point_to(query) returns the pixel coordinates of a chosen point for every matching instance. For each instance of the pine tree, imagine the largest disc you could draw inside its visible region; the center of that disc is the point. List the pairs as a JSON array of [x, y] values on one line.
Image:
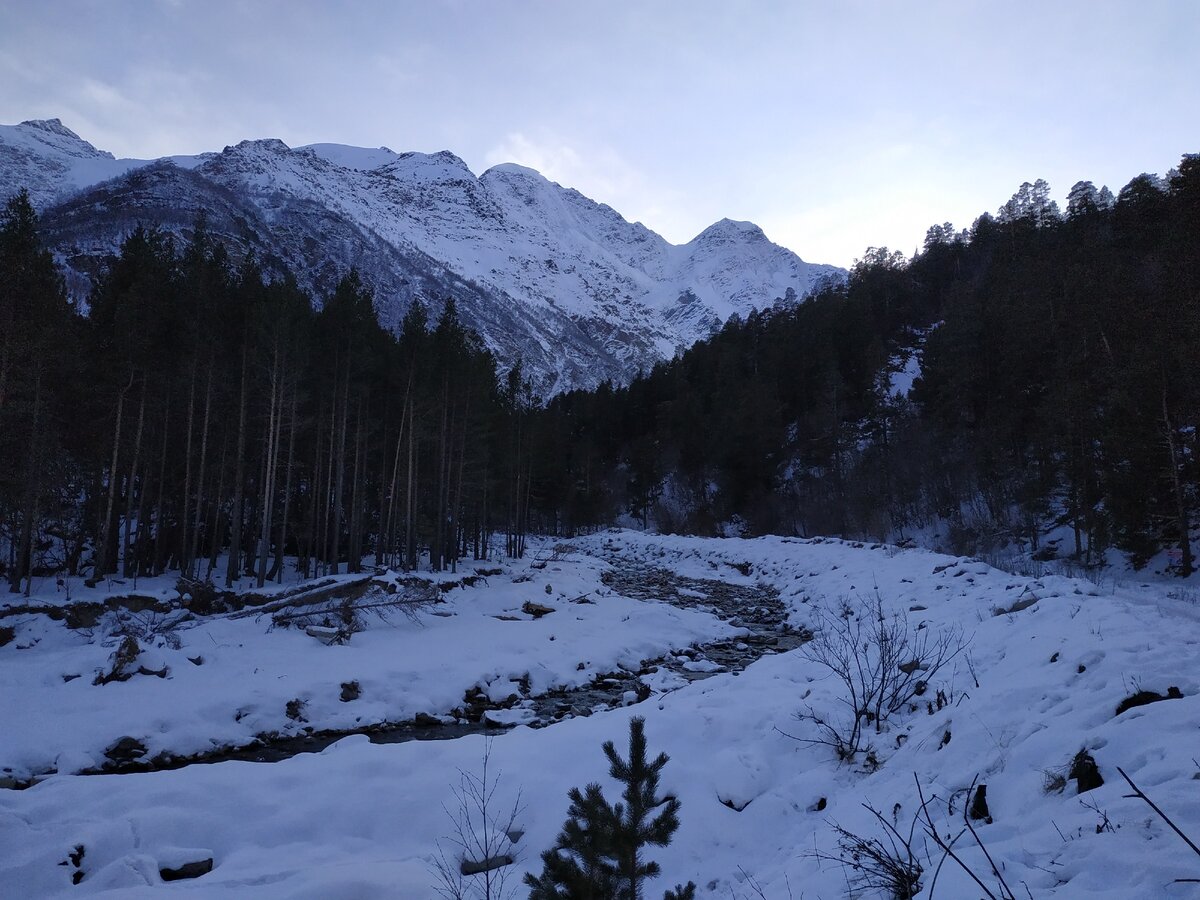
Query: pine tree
[[598, 855], [36, 325], [633, 825], [583, 871]]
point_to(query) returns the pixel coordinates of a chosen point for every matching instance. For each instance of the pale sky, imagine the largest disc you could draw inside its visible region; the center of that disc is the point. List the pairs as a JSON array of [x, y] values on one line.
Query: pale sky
[[835, 125]]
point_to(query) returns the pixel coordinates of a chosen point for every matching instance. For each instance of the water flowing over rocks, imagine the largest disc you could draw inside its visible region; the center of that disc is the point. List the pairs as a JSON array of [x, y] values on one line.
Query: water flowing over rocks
[[755, 609]]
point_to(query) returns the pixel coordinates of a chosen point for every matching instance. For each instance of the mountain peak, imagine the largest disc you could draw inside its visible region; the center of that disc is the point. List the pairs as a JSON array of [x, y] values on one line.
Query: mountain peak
[[434, 167], [450, 159], [514, 169], [362, 159], [731, 229], [54, 133], [267, 145], [53, 126]]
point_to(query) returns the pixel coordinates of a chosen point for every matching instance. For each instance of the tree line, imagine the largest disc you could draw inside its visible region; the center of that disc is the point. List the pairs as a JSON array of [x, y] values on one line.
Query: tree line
[[1058, 389], [200, 418]]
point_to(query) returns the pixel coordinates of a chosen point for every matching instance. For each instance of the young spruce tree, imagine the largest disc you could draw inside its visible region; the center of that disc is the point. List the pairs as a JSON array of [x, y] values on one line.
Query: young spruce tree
[[598, 855]]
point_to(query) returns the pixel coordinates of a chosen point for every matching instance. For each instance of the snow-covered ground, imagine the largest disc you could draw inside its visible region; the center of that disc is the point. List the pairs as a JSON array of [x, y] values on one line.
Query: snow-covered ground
[[231, 677], [1034, 687]]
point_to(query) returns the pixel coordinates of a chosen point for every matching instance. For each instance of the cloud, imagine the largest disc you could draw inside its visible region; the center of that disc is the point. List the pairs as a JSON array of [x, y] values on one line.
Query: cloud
[[603, 172], [104, 97]]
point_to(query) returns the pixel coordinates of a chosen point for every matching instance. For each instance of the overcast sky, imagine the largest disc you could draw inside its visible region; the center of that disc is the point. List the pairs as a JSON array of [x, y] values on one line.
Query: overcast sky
[[834, 125]]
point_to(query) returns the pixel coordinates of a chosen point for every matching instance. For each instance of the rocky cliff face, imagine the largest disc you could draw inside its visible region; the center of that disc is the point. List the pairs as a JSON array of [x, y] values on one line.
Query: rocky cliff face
[[542, 272]]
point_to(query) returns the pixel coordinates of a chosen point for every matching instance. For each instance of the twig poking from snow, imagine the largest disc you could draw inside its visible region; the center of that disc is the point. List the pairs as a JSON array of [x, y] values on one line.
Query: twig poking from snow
[[947, 847], [1139, 794]]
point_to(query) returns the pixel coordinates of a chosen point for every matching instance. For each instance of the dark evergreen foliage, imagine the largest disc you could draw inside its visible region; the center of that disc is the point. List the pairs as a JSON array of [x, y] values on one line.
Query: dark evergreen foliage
[[599, 852], [37, 336], [199, 411], [1058, 388], [577, 867], [196, 410]]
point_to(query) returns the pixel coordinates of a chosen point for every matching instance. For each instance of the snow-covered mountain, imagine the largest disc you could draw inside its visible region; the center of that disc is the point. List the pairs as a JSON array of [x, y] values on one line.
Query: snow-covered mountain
[[542, 272], [52, 162]]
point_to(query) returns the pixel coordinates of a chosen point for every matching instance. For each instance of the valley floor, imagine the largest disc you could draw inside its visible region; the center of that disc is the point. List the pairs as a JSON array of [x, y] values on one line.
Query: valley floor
[[1047, 663]]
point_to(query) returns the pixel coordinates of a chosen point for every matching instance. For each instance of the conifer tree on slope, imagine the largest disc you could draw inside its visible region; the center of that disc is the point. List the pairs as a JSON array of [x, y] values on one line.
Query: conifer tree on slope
[[603, 843]]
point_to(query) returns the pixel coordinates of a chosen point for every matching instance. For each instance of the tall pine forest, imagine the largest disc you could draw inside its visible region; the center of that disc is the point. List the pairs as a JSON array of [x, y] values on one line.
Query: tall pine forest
[[196, 418], [191, 416]]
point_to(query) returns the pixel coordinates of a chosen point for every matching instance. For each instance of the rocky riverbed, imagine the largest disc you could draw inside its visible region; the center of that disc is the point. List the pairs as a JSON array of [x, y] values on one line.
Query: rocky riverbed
[[756, 608]]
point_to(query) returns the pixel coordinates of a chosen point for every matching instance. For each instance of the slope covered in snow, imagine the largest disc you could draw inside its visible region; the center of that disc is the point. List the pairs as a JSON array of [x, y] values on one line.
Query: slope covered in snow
[[349, 157], [578, 292], [52, 162], [1047, 664]]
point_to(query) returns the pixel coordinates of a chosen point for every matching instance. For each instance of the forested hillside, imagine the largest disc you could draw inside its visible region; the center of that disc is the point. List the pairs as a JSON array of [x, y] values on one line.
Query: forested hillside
[[1058, 390], [199, 417]]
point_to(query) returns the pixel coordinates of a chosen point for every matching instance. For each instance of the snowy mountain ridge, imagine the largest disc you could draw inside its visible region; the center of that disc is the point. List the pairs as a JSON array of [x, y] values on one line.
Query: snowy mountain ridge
[[545, 274]]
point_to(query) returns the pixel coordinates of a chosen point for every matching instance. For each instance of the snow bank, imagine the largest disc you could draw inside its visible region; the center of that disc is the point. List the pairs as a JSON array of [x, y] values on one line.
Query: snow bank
[[1036, 686]]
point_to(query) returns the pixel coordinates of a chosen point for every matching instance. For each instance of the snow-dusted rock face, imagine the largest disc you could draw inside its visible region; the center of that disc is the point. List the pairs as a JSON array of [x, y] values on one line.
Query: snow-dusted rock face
[[543, 273]]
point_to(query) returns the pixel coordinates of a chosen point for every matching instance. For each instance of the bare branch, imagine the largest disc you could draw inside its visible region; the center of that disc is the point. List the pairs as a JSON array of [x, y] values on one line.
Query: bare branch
[[1137, 792], [881, 664], [484, 837]]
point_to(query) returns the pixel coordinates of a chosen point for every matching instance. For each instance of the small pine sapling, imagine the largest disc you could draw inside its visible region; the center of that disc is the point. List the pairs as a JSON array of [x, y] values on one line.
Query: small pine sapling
[[633, 825], [598, 855], [576, 868]]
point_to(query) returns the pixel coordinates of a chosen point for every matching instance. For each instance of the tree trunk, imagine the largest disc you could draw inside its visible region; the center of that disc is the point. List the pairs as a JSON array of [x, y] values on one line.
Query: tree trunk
[[233, 567], [274, 415], [133, 469], [354, 547], [190, 561], [456, 505], [327, 496], [437, 548], [218, 519], [1181, 517], [102, 565], [276, 573], [187, 477], [23, 561], [392, 550], [410, 537], [159, 505], [339, 481]]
